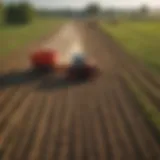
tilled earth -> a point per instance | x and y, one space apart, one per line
44 119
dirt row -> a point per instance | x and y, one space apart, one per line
98 120
147 81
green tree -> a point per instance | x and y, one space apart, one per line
18 13
144 10
93 9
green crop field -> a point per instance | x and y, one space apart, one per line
14 37
140 39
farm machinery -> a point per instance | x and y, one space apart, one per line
79 68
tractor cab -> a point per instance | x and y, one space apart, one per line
78 60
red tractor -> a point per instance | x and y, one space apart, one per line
44 60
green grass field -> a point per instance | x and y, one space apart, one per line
139 38
15 37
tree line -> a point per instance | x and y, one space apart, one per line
24 12
21 13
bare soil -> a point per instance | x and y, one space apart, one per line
41 119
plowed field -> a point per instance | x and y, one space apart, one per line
44 119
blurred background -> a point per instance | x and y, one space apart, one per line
135 23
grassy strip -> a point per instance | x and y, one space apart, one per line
14 37
140 39
148 108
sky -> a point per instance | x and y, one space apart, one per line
82 3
